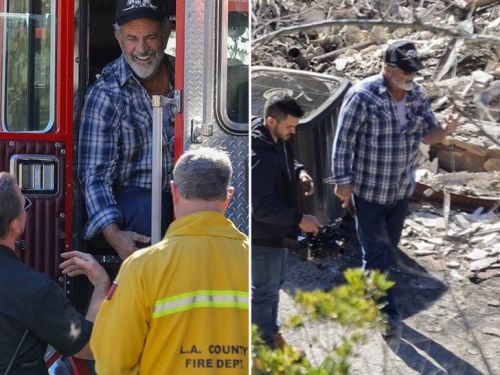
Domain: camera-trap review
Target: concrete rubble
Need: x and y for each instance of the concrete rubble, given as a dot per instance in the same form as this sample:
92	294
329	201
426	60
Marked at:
456	72
470	243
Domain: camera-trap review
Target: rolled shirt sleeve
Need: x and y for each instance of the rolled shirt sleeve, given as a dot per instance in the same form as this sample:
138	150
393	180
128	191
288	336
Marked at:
98	157
351	116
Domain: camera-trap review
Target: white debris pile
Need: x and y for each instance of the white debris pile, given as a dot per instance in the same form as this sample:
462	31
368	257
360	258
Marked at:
480	184
466	243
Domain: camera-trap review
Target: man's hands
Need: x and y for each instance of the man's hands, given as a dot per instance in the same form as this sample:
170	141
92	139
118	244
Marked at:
78	263
344	193
124	242
307	183
309	224
439	133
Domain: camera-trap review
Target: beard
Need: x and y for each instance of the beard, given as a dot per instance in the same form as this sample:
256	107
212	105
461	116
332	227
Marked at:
144	70
405	85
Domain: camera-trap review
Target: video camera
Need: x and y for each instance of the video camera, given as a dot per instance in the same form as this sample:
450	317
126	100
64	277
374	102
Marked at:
327	243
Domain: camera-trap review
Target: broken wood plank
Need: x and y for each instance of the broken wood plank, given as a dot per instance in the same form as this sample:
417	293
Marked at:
332	54
464	202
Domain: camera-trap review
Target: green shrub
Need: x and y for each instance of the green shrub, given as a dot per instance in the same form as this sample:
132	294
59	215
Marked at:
352	306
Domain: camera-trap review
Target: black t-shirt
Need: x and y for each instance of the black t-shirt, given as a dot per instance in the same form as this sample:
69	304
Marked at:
31	300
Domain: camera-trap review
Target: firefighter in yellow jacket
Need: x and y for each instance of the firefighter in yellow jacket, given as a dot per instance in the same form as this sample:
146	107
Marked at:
181	306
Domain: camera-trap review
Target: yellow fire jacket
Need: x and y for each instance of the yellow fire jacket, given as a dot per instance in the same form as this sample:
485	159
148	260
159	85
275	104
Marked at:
180	306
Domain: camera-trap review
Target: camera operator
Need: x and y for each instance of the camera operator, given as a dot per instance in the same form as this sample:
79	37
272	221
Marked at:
275	214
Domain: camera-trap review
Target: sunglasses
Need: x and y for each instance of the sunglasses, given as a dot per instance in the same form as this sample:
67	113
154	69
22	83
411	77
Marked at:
27	204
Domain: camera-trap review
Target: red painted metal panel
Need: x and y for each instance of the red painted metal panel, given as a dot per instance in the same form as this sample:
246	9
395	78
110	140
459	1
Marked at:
2	28
45	221
48	230
179	76
54	137
79	366
238	6
64	100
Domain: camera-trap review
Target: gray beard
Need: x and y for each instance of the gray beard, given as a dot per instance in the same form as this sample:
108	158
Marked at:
144	72
402	85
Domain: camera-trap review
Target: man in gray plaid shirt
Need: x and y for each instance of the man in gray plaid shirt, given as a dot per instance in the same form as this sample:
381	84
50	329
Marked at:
115	144
382	121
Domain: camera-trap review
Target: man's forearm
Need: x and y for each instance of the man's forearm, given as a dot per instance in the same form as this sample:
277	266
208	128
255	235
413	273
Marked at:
98	296
111	234
439	133
96	300
435	135
109	231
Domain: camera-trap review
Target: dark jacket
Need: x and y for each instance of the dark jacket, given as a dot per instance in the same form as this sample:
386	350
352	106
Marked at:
31	300
275	213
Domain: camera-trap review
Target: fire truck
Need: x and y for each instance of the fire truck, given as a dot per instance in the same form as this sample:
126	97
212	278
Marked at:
51	51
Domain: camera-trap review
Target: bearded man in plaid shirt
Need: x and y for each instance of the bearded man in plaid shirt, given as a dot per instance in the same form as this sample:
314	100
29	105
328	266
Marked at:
115	143
382	121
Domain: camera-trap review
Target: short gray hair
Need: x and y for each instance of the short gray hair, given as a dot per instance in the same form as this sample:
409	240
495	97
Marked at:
10	206
204	173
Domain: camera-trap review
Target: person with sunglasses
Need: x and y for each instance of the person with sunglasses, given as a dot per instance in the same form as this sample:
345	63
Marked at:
381	123
33	309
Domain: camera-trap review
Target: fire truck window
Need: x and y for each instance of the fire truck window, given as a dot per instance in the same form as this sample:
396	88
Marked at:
27	61
170	50
234	67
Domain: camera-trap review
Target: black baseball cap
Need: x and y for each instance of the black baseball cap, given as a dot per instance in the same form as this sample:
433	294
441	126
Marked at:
128	10
403	54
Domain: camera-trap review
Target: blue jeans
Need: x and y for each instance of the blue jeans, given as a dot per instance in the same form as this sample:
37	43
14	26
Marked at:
379	230
135	203
269	265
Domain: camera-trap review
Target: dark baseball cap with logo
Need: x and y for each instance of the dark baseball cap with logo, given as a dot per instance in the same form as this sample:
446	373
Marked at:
128	10
403	54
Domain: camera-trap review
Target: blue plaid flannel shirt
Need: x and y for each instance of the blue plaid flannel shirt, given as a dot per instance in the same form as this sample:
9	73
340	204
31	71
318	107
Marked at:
115	143
371	151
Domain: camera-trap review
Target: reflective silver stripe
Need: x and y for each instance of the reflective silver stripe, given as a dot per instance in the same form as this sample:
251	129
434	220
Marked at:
201	298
